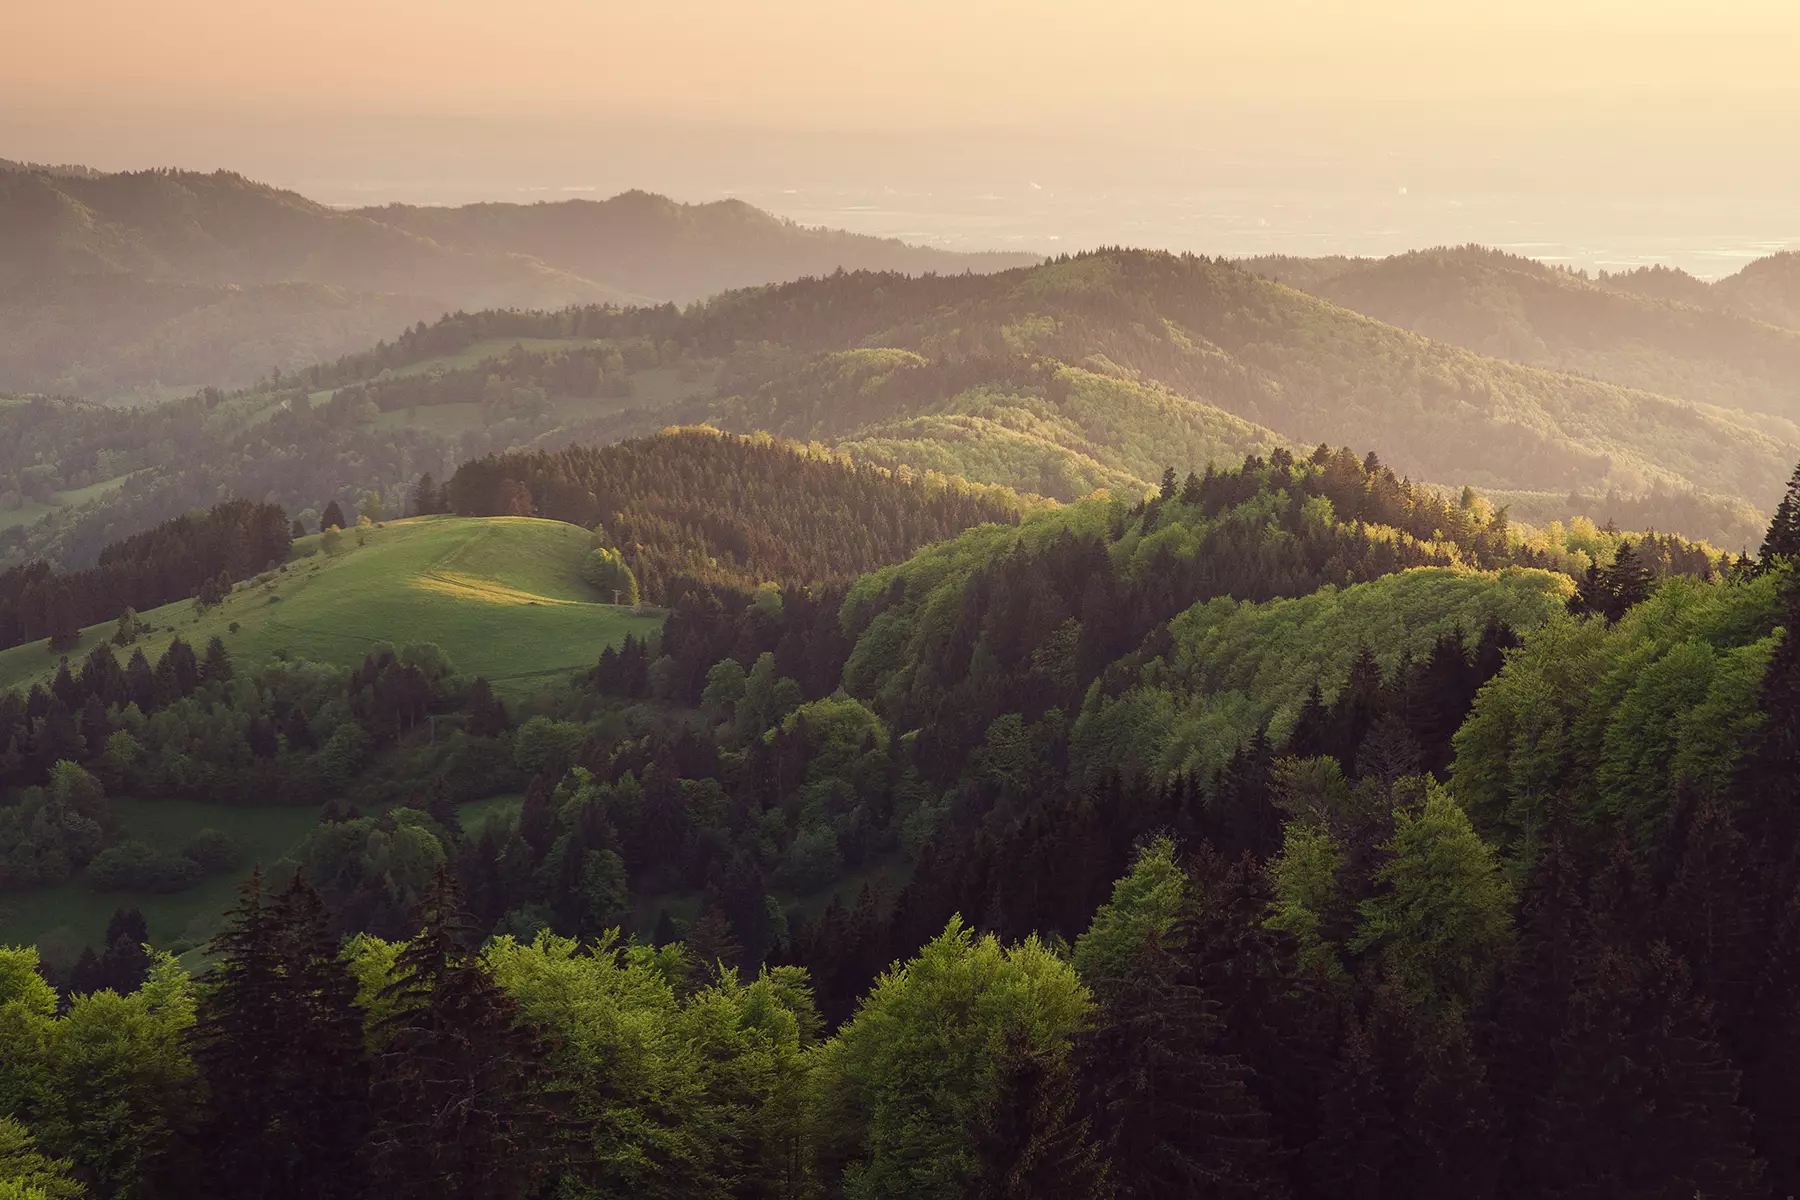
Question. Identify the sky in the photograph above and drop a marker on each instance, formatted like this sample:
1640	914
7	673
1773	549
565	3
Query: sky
1580	103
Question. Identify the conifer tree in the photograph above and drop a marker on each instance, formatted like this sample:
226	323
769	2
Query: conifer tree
216	666
332	518
1782	541
1174	1116
459	1093
1034	1143
279	1042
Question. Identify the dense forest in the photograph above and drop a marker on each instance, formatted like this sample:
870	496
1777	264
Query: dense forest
128	285
1089	373
1291	831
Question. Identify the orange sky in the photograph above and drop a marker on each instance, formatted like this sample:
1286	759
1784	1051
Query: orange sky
887	64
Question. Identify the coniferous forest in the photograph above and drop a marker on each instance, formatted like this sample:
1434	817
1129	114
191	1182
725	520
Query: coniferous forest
1292	831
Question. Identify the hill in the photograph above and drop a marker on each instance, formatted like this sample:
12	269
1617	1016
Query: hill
502	596
1096	371
143	282
1657	336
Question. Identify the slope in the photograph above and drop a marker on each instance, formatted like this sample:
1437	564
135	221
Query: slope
1307	369
1659	339
223	279
502	597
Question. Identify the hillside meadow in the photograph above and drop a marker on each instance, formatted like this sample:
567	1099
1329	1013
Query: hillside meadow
502	596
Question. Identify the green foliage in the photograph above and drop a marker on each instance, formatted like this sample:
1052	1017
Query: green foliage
1445	910
1620	718
26	1174
1144	903
115	1083
901	1089
605	570
1235	667
1307	890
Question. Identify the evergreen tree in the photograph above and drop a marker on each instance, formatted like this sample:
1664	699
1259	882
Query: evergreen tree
460	1102
216	666
1783	538
332	518
1035	1144
1628	581
279	1041
1173	1115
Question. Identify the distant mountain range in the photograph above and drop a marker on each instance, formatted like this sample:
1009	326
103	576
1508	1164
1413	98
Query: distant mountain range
1731	345
155	282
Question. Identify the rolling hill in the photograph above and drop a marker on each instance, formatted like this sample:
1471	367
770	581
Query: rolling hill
145	282
1658	330
501	596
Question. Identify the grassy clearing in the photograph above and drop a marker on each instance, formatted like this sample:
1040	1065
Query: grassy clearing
64	918
31	510
502	596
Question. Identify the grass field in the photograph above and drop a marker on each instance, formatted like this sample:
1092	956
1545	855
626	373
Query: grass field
72	915
502	596
64	918
31	510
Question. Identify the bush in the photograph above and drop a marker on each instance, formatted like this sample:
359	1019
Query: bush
605	570
215	851
137	867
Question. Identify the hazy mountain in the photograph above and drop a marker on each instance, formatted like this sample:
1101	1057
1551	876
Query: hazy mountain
1658	329
149	281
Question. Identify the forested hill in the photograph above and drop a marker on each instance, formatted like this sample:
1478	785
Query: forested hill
1288	833
1655	328
142	282
1091	370
697	511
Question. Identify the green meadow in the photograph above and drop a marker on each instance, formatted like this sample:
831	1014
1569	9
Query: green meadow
502	596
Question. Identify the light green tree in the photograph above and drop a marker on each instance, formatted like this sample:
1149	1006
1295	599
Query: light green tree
26	1173
1305	875
901	1091
1444	910
605	571
1144	902
117	1082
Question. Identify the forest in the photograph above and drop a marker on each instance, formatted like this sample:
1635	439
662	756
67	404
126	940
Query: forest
1053	381
1290	831
138	284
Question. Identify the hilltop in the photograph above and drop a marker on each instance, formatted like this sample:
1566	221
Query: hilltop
503	597
1091	372
1656	329
145	282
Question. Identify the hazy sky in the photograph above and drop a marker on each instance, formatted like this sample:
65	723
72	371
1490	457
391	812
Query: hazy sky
897	63
449	99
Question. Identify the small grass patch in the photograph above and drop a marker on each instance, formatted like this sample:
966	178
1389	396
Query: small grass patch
71	915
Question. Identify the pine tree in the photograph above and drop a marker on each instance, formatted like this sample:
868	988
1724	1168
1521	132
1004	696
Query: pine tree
332	518
1173	1115
460	1102
279	1041
1783	538
216	666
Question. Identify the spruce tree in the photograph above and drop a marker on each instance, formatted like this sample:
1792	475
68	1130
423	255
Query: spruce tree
1782	541
1034	1142
279	1042
460	1096
216	666
1174	1116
